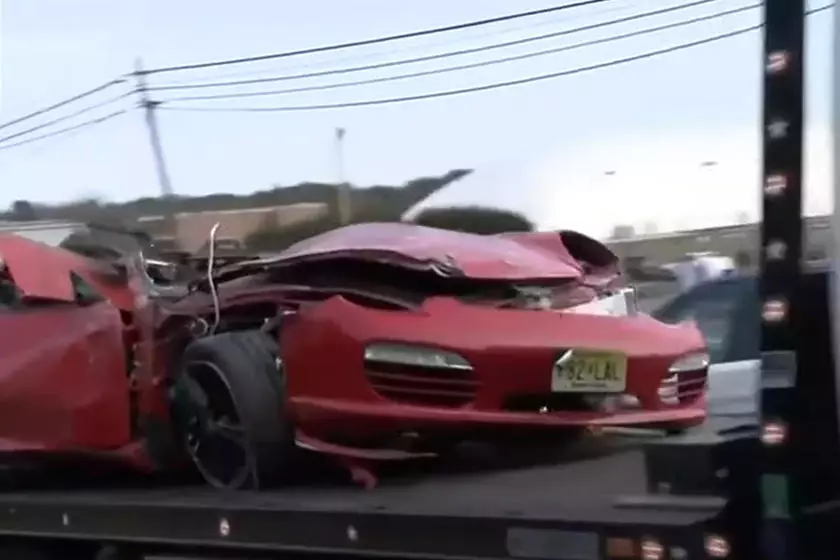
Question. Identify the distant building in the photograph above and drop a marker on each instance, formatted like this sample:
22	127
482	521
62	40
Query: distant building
193	228
51	232
737	241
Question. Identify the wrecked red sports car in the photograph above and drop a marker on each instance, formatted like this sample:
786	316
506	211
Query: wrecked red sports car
369	343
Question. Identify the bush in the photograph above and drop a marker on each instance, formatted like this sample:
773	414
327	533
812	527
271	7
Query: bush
474	219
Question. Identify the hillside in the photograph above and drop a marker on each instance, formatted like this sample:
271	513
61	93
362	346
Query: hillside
377	202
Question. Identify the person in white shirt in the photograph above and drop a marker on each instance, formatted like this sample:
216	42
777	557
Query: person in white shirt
701	268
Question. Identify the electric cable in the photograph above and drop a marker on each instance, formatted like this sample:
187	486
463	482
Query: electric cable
420	59
63	118
313	50
485	87
438	56
60	104
373	41
67	130
480	64
353	57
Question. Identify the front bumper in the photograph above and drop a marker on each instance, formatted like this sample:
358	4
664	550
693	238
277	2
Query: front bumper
510	356
362	419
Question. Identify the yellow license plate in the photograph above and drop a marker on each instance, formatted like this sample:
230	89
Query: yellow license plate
590	372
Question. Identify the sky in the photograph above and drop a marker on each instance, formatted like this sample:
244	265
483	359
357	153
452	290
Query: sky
634	136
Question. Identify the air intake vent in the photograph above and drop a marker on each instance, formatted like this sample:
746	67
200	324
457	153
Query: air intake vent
422	385
683	387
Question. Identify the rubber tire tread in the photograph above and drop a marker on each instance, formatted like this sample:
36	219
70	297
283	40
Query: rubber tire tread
247	361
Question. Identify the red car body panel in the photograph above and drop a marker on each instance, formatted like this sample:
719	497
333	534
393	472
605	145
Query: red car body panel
62	379
512	353
63	375
521	256
51	282
44	272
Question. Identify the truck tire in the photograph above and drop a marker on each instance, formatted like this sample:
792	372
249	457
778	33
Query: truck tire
231	391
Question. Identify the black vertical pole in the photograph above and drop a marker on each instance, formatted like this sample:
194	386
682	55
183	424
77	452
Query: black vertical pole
780	261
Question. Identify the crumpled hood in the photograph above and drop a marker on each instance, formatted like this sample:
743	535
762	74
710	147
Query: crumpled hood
515	256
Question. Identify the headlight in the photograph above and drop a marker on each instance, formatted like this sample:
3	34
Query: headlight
691	362
411	355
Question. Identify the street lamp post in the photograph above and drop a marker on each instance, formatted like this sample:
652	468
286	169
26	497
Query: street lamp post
343	190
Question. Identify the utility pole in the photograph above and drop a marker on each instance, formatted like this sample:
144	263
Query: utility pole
149	106
343	190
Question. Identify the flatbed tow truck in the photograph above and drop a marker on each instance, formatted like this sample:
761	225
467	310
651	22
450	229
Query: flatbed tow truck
570	511
766	489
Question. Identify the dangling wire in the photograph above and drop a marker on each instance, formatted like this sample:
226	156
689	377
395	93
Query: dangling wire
211	281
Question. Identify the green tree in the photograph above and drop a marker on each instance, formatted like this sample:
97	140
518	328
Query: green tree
23	211
474	219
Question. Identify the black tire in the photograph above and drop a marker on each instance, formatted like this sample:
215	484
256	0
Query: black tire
247	367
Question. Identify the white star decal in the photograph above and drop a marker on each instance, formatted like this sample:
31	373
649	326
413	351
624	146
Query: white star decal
777	62
774	311
775	185
775	251
777	129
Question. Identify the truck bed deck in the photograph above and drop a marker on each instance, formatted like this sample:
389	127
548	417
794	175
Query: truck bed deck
456	511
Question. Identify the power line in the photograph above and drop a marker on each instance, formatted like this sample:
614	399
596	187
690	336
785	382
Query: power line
438	56
486	87
392	50
273	56
475	89
63	118
377	40
393	63
67	130
60	104
483	63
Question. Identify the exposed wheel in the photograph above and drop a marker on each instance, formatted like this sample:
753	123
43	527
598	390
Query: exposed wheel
229	402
